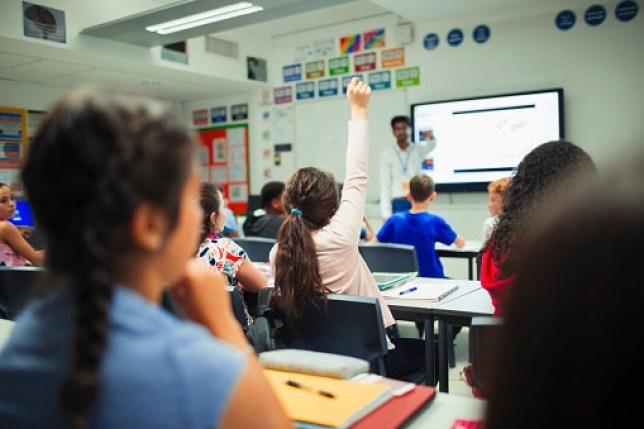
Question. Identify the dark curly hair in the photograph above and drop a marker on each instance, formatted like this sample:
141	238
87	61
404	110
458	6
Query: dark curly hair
539	176
95	158
297	277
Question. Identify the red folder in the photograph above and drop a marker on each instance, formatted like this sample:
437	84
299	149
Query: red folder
397	410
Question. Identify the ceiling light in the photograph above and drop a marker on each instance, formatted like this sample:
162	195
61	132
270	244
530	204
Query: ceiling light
203	18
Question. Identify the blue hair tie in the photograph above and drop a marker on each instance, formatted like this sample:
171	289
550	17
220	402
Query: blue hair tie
296	211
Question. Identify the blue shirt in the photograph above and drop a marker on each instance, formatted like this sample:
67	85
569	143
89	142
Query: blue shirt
421	230
157	371
230	224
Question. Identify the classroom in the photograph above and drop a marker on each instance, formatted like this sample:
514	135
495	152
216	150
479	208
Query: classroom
265	89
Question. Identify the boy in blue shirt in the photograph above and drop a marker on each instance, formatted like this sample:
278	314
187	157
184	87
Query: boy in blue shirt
419	228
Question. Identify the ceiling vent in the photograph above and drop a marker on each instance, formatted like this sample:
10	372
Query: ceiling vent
222	47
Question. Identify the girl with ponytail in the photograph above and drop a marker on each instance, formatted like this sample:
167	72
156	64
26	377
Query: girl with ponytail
114	187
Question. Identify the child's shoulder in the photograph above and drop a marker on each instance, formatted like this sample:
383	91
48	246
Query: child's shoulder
7	227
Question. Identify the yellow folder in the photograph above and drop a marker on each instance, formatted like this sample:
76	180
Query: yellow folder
351	400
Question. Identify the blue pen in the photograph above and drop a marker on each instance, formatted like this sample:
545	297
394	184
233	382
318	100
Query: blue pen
406	291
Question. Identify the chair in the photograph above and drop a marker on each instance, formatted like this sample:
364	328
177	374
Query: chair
482	331
257	248
389	257
347	325
17	286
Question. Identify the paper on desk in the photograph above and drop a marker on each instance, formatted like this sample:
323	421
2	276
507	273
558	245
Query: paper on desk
425	291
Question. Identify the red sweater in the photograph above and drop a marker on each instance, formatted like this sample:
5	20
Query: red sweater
497	287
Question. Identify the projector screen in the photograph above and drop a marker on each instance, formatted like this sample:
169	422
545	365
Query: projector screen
480	139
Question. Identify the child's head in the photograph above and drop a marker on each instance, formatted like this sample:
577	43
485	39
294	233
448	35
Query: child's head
273	197
212	204
312	200
496	191
7	202
421	188
113	186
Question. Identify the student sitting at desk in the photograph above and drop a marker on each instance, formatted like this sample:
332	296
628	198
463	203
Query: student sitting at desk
98	351
317	246
421	229
496	191
569	351
15	251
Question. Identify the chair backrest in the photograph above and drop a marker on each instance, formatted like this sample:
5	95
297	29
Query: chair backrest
257	248
389	257
482	330
17	286
347	325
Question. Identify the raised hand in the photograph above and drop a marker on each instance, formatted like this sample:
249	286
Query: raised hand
358	94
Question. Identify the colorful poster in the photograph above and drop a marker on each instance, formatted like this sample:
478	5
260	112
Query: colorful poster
328	87
292	72
200	117
13	135
314	69
365	62
346	80
392	58
409	76
350	43
283	95
374	39
304	90
380	80
339	65
219	114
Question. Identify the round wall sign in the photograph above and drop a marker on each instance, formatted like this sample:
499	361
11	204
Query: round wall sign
481	34
565	20
455	37
431	41
595	15
626	10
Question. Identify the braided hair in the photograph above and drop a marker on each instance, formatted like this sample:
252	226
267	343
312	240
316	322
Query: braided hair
314	194
96	158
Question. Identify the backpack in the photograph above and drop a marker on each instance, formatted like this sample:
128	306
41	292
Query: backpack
265	328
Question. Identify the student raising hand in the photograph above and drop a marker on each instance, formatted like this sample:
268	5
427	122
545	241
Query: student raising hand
358	94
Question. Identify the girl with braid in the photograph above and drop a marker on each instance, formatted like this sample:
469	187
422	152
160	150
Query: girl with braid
317	246
114	186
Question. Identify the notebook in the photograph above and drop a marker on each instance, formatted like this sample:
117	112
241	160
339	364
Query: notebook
306	406
388	280
425	290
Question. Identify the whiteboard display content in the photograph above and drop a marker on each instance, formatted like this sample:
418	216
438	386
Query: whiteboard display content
481	139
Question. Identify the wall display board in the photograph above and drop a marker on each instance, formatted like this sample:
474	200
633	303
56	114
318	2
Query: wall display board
223	158
13	139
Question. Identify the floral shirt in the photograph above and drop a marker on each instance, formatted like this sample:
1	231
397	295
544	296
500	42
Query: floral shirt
224	255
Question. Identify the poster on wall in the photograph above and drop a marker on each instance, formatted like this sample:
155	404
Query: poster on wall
380	80
257	69
13	133
324	48
409	76
374	39
365	62
283	94
304	90
328	87
350	44
239	112
314	69
339	65
346	80
392	58
200	117
42	22
292	72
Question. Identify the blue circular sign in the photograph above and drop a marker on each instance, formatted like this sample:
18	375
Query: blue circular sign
455	37
431	41
626	10
565	20
595	15
481	34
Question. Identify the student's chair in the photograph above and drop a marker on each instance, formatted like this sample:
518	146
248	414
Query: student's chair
257	248
482	331
389	257
17	286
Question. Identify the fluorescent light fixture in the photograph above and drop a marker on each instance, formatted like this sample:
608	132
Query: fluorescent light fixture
203	18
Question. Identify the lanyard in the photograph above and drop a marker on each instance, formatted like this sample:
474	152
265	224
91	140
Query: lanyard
404	166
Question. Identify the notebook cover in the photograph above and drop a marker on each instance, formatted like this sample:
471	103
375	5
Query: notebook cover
389	280
397	410
351	402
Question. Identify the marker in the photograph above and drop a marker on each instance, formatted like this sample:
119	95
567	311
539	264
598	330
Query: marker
406	291
310	389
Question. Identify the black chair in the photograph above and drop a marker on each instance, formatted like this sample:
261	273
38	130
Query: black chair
257	248
388	257
17	286
346	325
482	331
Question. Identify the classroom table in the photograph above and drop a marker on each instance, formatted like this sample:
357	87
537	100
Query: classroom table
457	312
470	251
445	409
422	311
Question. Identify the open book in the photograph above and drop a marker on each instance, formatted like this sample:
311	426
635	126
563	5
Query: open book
389	280
324	401
426	290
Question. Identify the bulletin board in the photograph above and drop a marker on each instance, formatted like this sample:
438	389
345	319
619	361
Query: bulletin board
224	161
13	138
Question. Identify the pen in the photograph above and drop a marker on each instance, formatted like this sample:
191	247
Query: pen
406	291
310	389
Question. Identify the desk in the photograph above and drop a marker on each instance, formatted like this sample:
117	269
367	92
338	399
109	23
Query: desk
446	408
470	251
457	312
422	311
6	326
